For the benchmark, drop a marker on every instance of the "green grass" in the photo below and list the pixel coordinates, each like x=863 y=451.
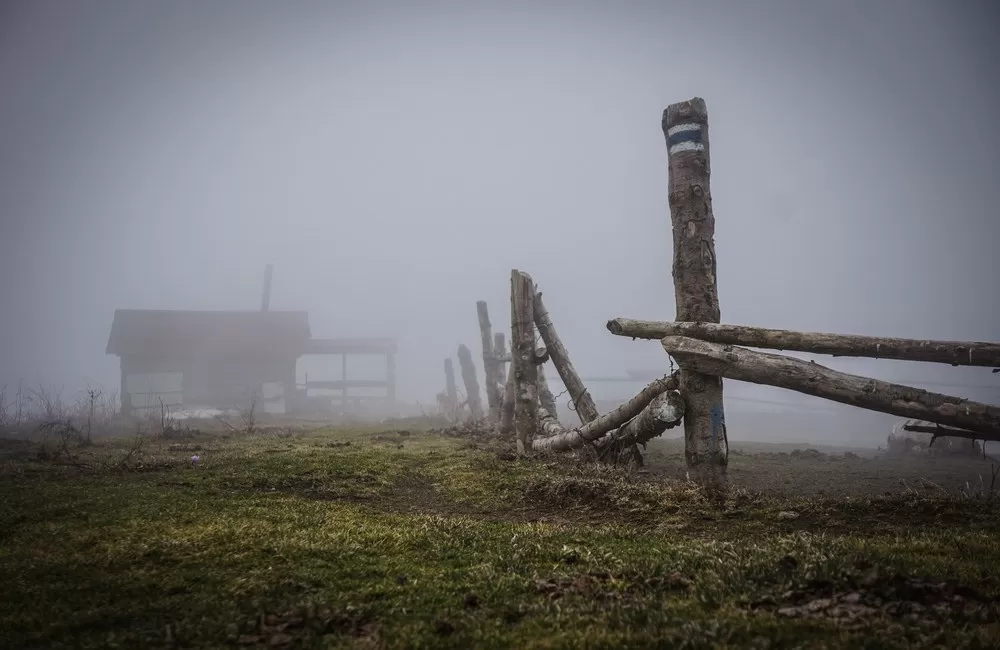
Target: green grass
x=428 y=540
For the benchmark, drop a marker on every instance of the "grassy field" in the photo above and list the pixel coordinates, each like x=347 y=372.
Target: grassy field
x=410 y=539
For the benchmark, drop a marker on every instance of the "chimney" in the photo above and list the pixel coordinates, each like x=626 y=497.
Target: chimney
x=265 y=299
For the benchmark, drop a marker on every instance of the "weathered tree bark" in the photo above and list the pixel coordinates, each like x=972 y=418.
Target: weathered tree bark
x=522 y=345
x=956 y=353
x=545 y=397
x=494 y=391
x=813 y=379
x=471 y=383
x=685 y=127
x=665 y=412
x=576 y=438
x=507 y=408
x=583 y=403
x=451 y=390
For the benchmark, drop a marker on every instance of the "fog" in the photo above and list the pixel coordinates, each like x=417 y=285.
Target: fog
x=395 y=161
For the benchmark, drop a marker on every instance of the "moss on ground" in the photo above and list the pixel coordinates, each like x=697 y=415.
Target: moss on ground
x=420 y=539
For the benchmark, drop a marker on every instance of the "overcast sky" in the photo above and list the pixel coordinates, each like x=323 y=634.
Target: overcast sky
x=395 y=161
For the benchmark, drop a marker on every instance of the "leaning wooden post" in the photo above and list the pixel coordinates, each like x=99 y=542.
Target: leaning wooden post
x=471 y=383
x=523 y=365
x=545 y=397
x=685 y=127
x=494 y=394
x=451 y=390
x=582 y=401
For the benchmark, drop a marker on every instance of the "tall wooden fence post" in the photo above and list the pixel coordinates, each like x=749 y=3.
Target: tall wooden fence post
x=523 y=366
x=685 y=127
x=500 y=353
x=468 y=368
x=451 y=389
x=494 y=395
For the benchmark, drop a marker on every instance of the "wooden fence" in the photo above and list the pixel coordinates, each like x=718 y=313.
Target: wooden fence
x=706 y=351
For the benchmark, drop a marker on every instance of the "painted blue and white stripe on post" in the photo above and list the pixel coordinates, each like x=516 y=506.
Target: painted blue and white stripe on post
x=684 y=137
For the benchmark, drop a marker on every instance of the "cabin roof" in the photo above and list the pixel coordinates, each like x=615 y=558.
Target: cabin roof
x=208 y=333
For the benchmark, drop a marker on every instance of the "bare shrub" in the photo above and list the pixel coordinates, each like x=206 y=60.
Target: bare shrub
x=4 y=408
x=248 y=417
x=47 y=403
x=59 y=438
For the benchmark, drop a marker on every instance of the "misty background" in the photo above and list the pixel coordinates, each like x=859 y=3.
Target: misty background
x=395 y=161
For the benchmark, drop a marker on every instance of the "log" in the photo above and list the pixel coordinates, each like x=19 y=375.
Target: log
x=584 y=434
x=583 y=403
x=525 y=370
x=955 y=353
x=685 y=127
x=494 y=390
x=547 y=422
x=546 y=399
x=813 y=379
x=471 y=383
x=666 y=411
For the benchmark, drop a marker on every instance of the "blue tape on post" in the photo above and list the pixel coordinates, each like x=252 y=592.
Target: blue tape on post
x=685 y=137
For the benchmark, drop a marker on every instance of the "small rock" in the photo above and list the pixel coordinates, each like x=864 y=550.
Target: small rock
x=852 y=598
x=787 y=515
x=819 y=604
x=677 y=581
x=280 y=639
x=789 y=612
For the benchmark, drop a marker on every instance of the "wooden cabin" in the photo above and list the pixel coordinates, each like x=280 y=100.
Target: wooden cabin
x=222 y=359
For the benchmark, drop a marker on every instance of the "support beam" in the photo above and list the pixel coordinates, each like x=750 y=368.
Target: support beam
x=949 y=432
x=523 y=366
x=587 y=433
x=582 y=401
x=813 y=379
x=494 y=390
x=955 y=353
x=471 y=383
x=685 y=127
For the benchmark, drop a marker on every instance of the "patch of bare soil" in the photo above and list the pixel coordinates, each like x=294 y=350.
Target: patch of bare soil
x=813 y=473
x=291 y=628
x=868 y=592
